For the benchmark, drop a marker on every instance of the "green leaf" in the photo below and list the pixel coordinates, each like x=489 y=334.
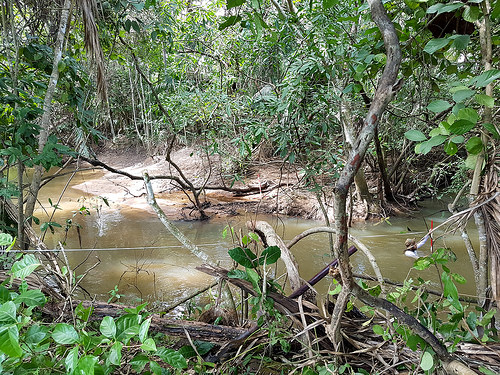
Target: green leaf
x=471 y=13
x=9 y=342
x=426 y=146
x=329 y=3
x=434 y=45
x=237 y=274
x=8 y=312
x=108 y=327
x=173 y=358
x=450 y=148
x=458 y=278
x=156 y=369
x=270 y=255
x=470 y=162
x=143 y=329
x=462 y=95
x=31 y=298
x=460 y=42
x=427 y=361
x=71 y=360
x=457 y=139
x=450 y=291
x=115 y=354
x=234 y=3
x=35 y=334
x=24 y=267
x=253 y=276
x=6 y=239
x=438 y=106
x=485 y=100
x=474 y=145
x=486 y=78
x=469 y=114
x=486 y=371
x=149 y=345
x=244 y=257
x=229 y=21
x=139 y=362
x=460 y=127
x=378 y=330
x=65 y=334
x=491 y=128
x=415 y=135
x=86 y=365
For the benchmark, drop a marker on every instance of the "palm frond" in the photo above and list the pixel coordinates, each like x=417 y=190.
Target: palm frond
x=92 y=44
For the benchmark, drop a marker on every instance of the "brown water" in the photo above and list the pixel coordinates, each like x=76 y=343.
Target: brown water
x=139 y=255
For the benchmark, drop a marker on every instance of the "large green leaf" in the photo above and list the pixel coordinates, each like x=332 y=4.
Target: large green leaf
x=461 y=42
x=115 y=354
x=32 y=297
x=426 y=146
x=65 y=334
x=8 y=312
x=143 y=329
x=35 y=334
x=438 y=106
x=461 y=95
x=469 y=114
x=474 y=145
x=86 y=365
x=485 y=100
x=9 y=342
x=434 y=45
x=173 y=358
x=460 y=127
x=270 y=255
x=108 y=327
x=415 y=135
x=471 y=13
x=24 y=267
x=486 y=78
x=71 y=360
x=243 y=256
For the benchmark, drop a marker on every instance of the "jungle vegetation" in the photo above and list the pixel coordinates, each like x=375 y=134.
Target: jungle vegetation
x=404 y=90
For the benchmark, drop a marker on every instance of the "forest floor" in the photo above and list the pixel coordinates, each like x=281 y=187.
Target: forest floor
x=277 y=187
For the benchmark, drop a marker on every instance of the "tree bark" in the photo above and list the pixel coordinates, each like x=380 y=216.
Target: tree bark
x=47 y=109
x=382 y=97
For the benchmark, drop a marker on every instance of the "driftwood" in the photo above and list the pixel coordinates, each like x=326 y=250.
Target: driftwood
x=217 y=334
x=270 y=238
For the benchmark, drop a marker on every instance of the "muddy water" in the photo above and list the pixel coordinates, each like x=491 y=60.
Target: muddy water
x=137 y=254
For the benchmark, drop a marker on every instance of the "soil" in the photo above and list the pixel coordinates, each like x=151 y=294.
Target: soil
x=277 y=186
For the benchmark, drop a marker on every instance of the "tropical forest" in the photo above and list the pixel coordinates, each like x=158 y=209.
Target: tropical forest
x=250 y=187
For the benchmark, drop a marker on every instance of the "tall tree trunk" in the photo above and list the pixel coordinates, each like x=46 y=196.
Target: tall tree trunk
x=47 y=109
x=382 y=97
x=486 y=52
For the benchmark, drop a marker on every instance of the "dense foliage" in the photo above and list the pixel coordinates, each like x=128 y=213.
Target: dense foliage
x=241 y=78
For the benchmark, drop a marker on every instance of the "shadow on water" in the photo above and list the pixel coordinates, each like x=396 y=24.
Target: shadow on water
x=140 y=256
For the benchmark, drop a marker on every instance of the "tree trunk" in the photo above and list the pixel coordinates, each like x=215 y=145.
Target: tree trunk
x=47 y=109
x=383 y=170
x=382 y=97
x=486 y=52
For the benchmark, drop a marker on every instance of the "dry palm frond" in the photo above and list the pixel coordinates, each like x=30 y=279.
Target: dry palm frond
x=92 y=45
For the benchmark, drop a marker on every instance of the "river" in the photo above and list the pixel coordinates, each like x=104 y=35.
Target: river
x=146 y=262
